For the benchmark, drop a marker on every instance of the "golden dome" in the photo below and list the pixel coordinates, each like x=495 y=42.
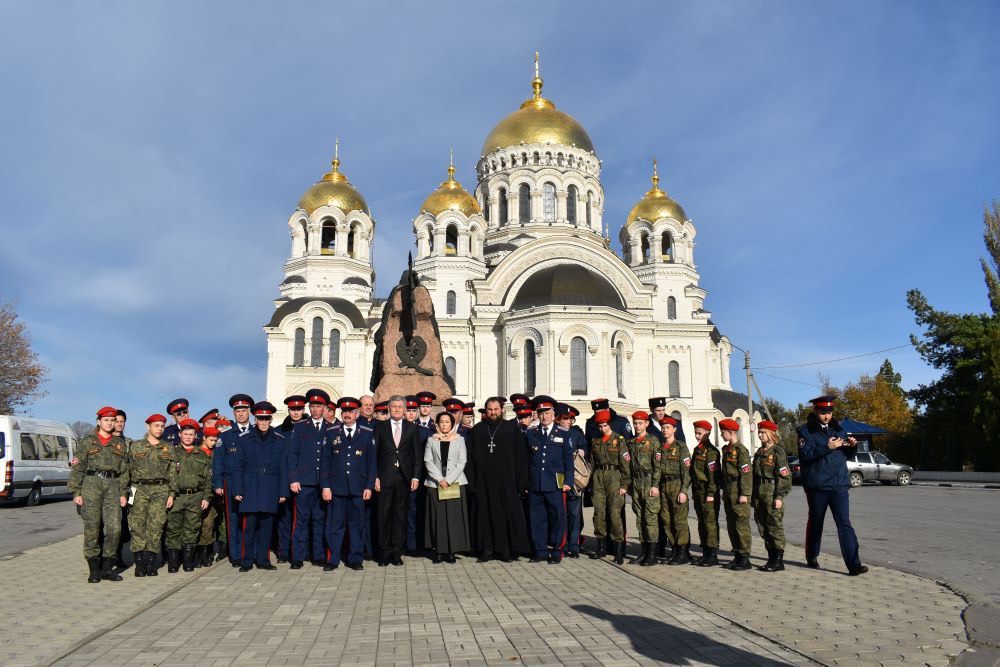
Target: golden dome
x=656 y=204
x=334 y=190
x=537 y=122
x=450 y=195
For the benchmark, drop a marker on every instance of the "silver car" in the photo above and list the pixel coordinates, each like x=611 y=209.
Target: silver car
x=876 y=467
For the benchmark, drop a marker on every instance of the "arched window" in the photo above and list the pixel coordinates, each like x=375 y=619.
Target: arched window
x=674 y=378
x=299 y=354
x=334 y=348
x=449 y=366
x=486 y=206
x=578 y=366
x=620 y=368
x=644 y=248
x=430 y=239
x=451 y=240
x=529 y=367
x=449 y=303
x=549 y=202
x=328 y=241
x=666 y=248
x=571 y=195
x=590 y=206
x=350 y=241
x=671 y=308
x=316 y=343
x=305 y=237
x=502 y=205
x=524 y=203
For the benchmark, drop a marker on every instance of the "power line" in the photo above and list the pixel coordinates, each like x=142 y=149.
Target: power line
x=808 y=384
x=833 y=361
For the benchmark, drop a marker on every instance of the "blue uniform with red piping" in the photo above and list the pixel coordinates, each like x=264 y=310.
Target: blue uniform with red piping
x=549 y=455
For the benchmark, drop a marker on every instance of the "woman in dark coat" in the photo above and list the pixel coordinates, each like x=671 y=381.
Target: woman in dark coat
x=447 y=525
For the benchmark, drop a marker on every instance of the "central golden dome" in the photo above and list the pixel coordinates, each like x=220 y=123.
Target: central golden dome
x=451 y=196
x=537 y=122
x=334 y=190
x=656 y=204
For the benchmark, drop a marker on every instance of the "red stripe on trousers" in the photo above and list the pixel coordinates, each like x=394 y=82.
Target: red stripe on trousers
x=566 y=514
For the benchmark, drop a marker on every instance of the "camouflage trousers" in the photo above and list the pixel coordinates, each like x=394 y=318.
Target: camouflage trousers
x=708 y=517
x=608 y=505
x=101 y=505
x=770 y=521
x=647 y=509
x=674 y=515
x=213 y=528
x=148 y=516
x=737 y=520
x=184 y=521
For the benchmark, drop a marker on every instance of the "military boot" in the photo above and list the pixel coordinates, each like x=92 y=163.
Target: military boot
x=674 y=550
x=661 y=550
x=601 y=551
x=711 y=557
x=642 y=556
x=683 y=555
x=779 y=560
x=741 y=562
x=93 y=564
x=620 y=553
x=151 y=563
x=189 y=557
x=140 y=563
x=173 y=560
x=208 y=555
x=650 y=556
x=769 y=565
x=109 y=573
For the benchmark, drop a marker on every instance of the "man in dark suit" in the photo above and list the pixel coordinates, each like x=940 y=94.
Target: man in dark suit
x=397 y=447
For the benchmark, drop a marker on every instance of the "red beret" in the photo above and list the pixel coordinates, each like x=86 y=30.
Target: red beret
x=729 y=425
x=640 y=414
x=769 y=425
x=602 y=416
x=155 y=418
x=189 y=423
x=107 y=411
x=667 y=419
x=211 y=432
x=222 y=421
x=701 y=423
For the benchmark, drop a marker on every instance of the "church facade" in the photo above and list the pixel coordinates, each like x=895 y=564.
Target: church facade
x=528 y=294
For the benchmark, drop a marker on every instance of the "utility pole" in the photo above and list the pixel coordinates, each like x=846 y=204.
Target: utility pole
x=746 y=365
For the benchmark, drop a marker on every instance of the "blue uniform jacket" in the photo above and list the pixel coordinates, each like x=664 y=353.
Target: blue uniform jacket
x=348 y=465
x=548 y=457
x=305 y=451
x=261 y=471
x=579 y=439
x=823 y=469
x=224 y=458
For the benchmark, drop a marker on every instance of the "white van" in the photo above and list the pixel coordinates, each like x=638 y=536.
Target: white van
x=35 y=456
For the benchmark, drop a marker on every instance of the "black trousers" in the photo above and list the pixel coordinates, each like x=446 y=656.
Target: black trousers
x=392 y=508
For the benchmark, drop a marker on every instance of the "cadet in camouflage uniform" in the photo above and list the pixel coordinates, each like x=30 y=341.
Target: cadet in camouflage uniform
x=772 y=482
x=99 y=483
x=610 y=457
x=737 y=487
x=190 y=489
x=705 y=493
x=644 y=450
x=212 y=526
x=151 y=461
x=675 y=478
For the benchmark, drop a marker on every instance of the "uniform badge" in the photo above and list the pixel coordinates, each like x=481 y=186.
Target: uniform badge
x=336 y=440
x=534 y=448
x=745 y=467
x=783 y=471
x=712 y=465
x=626 y=456
x=357 y=452
x=802 y=441
x=687 y=463
x=770 y=458
x=658 y=456
x=166 y=450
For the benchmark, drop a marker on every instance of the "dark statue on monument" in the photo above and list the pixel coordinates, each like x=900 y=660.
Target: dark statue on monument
x=408 y=357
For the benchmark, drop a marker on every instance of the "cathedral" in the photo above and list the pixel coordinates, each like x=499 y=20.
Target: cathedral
x=529 y=295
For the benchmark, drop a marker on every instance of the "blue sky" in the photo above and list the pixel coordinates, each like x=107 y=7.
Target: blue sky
x=832 y=156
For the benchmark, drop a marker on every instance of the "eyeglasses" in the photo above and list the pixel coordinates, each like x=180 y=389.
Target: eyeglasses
x=180 y=412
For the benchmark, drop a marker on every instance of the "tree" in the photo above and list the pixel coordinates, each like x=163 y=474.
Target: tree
x=960 y=416
x=82 y=429
x=21 y=375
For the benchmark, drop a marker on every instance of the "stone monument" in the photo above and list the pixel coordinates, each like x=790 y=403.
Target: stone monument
x=408 y=357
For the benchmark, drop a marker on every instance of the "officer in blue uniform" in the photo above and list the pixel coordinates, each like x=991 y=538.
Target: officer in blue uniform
x=260 y=484
x=285 y=519
x=178 y=409
x=519 y=402
x=426 y=399
x=565 y=415
x=347 y=475
x=824 y=448
x=550 y=455
x=223 y=466
x=305 y=452
x=523 y=417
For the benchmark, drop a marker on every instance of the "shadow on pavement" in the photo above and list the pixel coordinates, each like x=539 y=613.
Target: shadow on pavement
x=673 y=644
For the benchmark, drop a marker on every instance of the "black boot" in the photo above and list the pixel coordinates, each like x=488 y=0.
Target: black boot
x=109 y=570
x=601 y=551
x=642 y=556
x=661 y=550
x=769 y=565
x=711 y=557
x=208 y=555
x=94 y=565
x=140 y=563
x=674 y=550
x=650 y=556
x=683 y=555
x=779 y=560
x=620 y=553
x=173 y=560
x=189 y=558
x=151 y=563
x=742 y=562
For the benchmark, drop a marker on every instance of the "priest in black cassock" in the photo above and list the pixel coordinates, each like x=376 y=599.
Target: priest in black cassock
x=498 y=476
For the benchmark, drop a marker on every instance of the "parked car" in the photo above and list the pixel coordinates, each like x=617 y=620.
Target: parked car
x=876 y=467
x=796 y=468
x=34 y=458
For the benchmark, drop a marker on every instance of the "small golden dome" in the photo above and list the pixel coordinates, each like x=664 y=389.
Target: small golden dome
x=537 y=122
x=334 y=190
x=656 y=204
x=450 y=195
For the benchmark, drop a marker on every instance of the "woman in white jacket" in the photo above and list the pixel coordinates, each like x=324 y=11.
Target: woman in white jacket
x=446 y=529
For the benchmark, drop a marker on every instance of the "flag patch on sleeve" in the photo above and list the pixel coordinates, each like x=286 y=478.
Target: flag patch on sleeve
x=783 y=471
x=745 y=467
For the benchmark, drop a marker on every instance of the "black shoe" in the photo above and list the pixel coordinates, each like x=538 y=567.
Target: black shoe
x=318 y=562
x=397 y=560
x=650 y=558
x=282 y=559
x=151 y=563
x=638 y=560
x=710 y=559
x=505 y=557
x=856 y=571
x=109 y=573
x=573 y=554
x=245 y=568
x=189 y=558
x=779 y=560
x=355 y=566
x=207 y=555
x=234 y=563
x=382 y=562
x=661 y=550
x=173 y=560
x=620 y=553
x=555 y=558
x=601 y=551
x=812 y=563
x=296 y=565
x=329 y=567
x=438 y=559
x=267 y=566
x=683 y=555
x=538 y=559
x=450 y=559
x=140 y=563
x=742 y=562
x=769 y=565
x=484 y=558
x=94 y=567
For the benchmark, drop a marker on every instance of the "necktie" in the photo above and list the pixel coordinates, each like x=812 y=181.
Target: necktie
x=545 y=431
x=316 y=425
x=350 y=433
x=395 y=432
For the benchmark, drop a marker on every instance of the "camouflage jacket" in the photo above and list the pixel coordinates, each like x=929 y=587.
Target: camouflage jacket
x=705 y=468
x=92 y=456
x=611 y=452
x=148 y=461
x=193 y=472
x=736 y=468
x=675 y=463
x=645 y=463
x=770 y=467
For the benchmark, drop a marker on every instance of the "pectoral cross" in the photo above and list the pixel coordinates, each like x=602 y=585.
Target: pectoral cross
x=492 y=445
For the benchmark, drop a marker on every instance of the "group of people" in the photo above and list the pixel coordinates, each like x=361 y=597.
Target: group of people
x=347 y=480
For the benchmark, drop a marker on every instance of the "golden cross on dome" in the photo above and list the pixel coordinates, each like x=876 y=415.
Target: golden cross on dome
x=656 y=176
x=451 y=164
